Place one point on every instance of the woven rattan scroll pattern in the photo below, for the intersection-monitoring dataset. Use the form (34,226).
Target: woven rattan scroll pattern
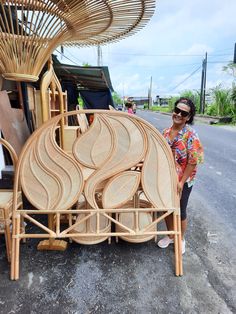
(127,152)
(90,150)
(50,178)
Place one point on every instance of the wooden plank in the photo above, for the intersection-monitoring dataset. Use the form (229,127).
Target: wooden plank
(13,123)
(70,135)
(2,161)
(31,98)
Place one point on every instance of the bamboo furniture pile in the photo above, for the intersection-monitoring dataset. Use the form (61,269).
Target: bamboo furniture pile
(120,171)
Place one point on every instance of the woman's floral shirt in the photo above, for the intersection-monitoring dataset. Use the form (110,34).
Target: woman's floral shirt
(186,148)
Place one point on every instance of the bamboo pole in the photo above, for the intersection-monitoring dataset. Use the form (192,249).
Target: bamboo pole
(176,245)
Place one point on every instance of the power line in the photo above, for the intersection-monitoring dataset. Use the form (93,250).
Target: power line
(166,55)
(66,57)
(158,66)
(146,56)
(218,61)
(67,51)
(170,66)
(186,78)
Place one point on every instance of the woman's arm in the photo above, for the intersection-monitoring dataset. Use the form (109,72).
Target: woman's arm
(187,173)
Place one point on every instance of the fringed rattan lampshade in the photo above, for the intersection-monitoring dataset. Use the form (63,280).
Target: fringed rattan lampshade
(111,20)
(31,30)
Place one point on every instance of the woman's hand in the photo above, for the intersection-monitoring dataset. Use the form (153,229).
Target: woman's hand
(180,186)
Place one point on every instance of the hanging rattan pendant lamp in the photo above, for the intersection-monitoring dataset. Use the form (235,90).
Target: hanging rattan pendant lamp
(111,20)
(31,30)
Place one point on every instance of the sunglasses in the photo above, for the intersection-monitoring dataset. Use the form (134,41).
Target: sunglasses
(182,112)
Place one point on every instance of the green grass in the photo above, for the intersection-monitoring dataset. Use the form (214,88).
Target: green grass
(161,109)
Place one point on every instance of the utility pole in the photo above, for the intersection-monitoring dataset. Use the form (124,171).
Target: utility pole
(234,61)
(123,104)
(203,85)
(150,95)
(99,52)
(62,52)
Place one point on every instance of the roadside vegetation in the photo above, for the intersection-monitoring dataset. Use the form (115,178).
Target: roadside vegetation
(220,102)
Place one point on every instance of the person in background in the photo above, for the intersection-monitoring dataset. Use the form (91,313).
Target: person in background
(134,107)
(129,106)
(188,153)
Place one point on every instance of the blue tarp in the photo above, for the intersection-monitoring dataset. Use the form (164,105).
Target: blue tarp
(97,99)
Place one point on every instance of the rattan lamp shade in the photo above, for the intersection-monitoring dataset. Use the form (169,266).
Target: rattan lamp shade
(112,20)
(31,30)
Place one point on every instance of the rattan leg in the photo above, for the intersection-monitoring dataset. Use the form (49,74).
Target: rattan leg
(8,241)
(13,250)
(12,275)
(117,218)
(154,214)
(23,228)
(176,244)
(70,224)
(17,248)
(180,246)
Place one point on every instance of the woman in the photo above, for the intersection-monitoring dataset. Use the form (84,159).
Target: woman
(188,152)
(129,106)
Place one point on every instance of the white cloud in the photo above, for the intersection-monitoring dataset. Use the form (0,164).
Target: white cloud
(197,49)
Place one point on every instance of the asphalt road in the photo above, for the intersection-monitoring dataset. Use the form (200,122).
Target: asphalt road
(139,278)
(212,212)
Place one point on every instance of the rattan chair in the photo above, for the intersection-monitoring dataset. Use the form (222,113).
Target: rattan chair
(6,200)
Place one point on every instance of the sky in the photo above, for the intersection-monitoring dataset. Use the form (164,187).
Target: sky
(170,49)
